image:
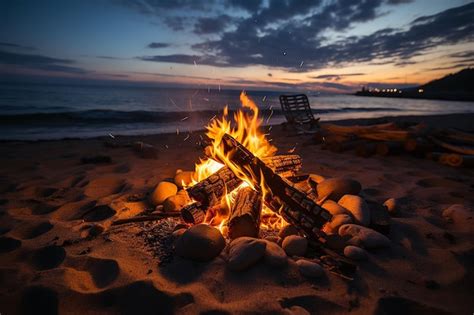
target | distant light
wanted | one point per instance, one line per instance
(420, 90)
(394, 90)
(383, 90)
(399, 91)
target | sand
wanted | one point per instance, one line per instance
(59, 254)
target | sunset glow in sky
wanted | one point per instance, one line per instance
(320, 45)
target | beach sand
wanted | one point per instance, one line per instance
(54, 256)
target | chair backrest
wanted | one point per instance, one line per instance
(296, 108)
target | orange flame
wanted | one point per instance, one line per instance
(245, 129)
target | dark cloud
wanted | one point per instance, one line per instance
(157, 6)
(336, 77)
(109, 57)
(185, 59)
(210, 25)
(158, 45)
(248, 5)
(289, 45)
(176, 23)
(16, 46)
(39, 62)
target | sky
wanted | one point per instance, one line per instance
(320, 45)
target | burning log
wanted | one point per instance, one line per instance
(210, 190)
(283, 197)
(244, 219)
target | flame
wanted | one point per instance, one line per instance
(245, 128)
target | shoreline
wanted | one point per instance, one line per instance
(458, 120)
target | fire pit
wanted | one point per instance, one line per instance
(242, 190)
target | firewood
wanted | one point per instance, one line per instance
(210, 190)
(283, 198)
(388, 147)
(244, 218)
(386, 135)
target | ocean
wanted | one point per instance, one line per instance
(37, 112)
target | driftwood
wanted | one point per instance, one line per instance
(388, 147)
(357, 129)
(244, 218)
(365, 149)
(466, 150)
(386, 135)
(452, 159)
(283, 197)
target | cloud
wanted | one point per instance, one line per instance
(16, 46)
(210, 25)
(336, 77)
(158, 45)
(286, 33)
(250, 6)
(39, 62)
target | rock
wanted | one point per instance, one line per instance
(316, 179)
(295, 245)
(368, 237)
(162, 191)
(357, 207)
(183, 178)
(354, 252)
(334, 208)
(392, 206)
(273, 239)
(287, 230)
(95, 230)
(245, 251)
(335, 188)
(176, 202)
(309, 269)
(177, 233)
(333, 226)
(200, 242)
(275, 255)
(458, 214)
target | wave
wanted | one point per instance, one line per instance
(127, 117)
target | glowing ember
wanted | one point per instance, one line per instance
(244, 128)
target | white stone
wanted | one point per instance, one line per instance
(391, 205)
(162, 191)
(357, 207)
(275, 255)
(334, 208)
(354, 252)
(310, 269)
(367, 237)
(200, 242)
(295, 245)
(335, 188)
(244, 252)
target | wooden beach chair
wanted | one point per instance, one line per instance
(298, 113)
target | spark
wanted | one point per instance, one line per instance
(111, 136)
(264, 98)
(292, 149)
(270, 128)
(213, 117)
(174, 103)
(177, 131)
(270, 116)
(166, 146)
(206, 99)
(187, 137)
(195, 64)
(219, 87)
(301, 64)
(185, 118)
